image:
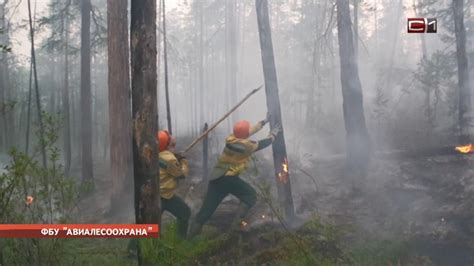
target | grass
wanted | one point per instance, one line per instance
(318, 244)
(170, 250)
(381, 252)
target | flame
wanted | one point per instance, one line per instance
(29, 200)
(263, 216)
(465, 149)
(243, 223)
(283, 175)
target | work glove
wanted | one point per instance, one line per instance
(275, 131)
(180, 156)
(265, 121)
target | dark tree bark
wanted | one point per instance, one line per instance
(65, 93)
(464, 95)
(86, 98)
(120, 120)
(165, 57)
(273, 106)
(144, 110)
(357, 137)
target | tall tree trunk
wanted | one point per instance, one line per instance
(3, 87)
(86, 98)
(37, 92)
(356, 30)
(357, 137)
(28, 114)
(65, 93)
(376, 31)
(144, 110)
(231, 55)
(120, 120)
(464, 92)
(391, 60)
(159, 41)
(53, 79)
(422, 36)
(273, 106)
(75, 140)
(242, 44)
(6, 97)
(165, 56)
(201, 66)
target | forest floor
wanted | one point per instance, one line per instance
(417, 211)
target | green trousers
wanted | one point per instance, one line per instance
(176, 206)
(221, 187)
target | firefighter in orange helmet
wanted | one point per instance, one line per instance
(172, 168)
(225, 180)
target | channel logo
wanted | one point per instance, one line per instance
(422, 25)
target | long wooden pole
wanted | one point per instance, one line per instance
(222, 119)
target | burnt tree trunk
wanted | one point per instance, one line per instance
(273, 106)
(120, 120)
(464, 95)
(144, 110)
(357, 136)
(86, 98)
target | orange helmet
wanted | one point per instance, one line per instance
(164, 139)
(242, 129)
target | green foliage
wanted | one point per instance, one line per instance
(54, 197)
(436, 78)
(169, 249)
(380, 252)
(316, 243)
(7, 106)
(5, 48)
(67, 252)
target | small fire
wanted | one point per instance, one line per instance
(263, 216)
(243, 223)
(29, 200)
(465, 149)
(283, 175)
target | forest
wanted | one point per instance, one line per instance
(253, 132)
